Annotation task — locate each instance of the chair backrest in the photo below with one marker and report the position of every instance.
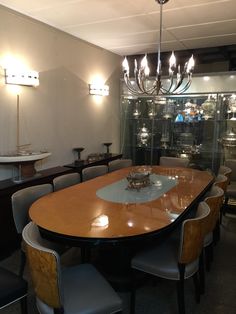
(66, 180)
(44, 265)
(214, 200)
(23, 199)
(222, 182)
(119, 164)
(192, 235)
(173, 161)
(226, 171)
(93, 172)
(231, 163)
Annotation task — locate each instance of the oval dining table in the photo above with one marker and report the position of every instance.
(104, 211)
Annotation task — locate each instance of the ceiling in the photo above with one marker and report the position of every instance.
(128, 27)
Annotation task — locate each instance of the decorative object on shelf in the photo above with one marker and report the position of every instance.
(168, 110)
(108, 148)
(95, 157)
(179, 118)
(209, 107)
(232, 106)
(143, 136)
(191, 111)
(139, 178)
(137, 111)
(140, 85)
(228, 139)
(98, 89)
(79, 161)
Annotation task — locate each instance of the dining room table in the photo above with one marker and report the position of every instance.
(105, 210)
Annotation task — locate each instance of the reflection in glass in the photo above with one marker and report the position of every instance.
(151, 109)
(137, 110)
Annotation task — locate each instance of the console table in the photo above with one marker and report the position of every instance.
(102, 161)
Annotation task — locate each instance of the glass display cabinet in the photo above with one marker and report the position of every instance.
(198, 126)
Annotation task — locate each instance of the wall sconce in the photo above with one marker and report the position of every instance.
(98, 89)
(26, 78)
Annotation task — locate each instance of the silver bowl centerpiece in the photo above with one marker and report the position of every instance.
(139, 178)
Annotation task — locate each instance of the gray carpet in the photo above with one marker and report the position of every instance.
(220, 296)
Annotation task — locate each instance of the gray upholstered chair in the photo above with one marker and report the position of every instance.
(214, 199)
(66, 180)
(93, 172)
(222, 182)
(226, 171)
(231, 188)
(21, 202)
(13, 289)
(77, 289)
(119, 164)
(173, 161)
(176, 259)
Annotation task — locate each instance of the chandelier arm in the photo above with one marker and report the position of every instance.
(179, 82)
(130, 87)
(187, 85)
(147, 91)
(171, 84)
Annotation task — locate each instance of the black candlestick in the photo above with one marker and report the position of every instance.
(107, 146)
(78, 150)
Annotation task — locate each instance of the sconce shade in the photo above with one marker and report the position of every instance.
(98, 89)
(26, 78)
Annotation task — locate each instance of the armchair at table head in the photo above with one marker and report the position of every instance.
(21, 202)
(173, 161)
(66, 180)
(77, 289)
(176, 258)
(93, 172)
(119, 164)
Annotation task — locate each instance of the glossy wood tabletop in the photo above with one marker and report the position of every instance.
(72, 211)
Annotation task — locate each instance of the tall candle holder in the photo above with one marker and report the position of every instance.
(108, 148)
(79, 161)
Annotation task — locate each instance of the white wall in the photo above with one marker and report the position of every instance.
(59, 114)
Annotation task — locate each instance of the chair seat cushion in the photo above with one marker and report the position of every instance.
(85, 292)
(12, 287)
(162, 261)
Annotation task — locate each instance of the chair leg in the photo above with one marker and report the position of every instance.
(202, 273)
(133, 292)
(180, 289)
(22, 263)
(216, 232)
(23, 305)
(209, 256)
(197, 287)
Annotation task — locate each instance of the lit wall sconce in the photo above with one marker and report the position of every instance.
(26, 78)
(98, 90)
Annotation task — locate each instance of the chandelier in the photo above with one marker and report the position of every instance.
(178, 82)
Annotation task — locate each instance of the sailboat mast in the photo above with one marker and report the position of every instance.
(17, 123)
